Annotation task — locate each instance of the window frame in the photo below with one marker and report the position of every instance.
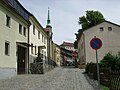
(20, 29)
(34, 29)
(101, 29)
(8, 21)
(35, 50)
(7, 50)
(24, 31)
(38, 34)
(42, 38)
(110, 29)
(31, 48)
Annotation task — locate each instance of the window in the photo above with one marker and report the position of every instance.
(20, 28)
(35, 50)
(57, 59)
(7, 48)
(24, 32)
(32, 48)
(33, 29)
(42, 38)
(45, 54)
(38, 34)
(101, 29)
(109, 28)
(45, 41)
(7, 21)
(42, 53)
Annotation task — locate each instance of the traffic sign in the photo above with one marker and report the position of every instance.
(96, 43)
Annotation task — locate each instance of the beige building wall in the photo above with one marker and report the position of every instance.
(110, 40)
(51, 49)
(57, 54)
(54, 54)
(11, 35)
(81, 50)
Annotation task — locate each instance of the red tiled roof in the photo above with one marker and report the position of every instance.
(67, 44)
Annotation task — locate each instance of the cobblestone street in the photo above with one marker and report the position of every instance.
(57, 79)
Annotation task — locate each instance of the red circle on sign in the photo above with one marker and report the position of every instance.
(96, 43)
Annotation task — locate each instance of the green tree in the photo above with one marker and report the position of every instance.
(92, 18)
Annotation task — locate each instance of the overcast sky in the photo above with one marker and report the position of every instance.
(64, 14)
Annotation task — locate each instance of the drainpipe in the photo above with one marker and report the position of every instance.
(28, 46)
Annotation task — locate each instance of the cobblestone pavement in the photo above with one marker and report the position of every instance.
(57, 79)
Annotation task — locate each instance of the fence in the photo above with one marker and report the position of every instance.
(41, 65)
(115, 80)
(110, 78)
(105, 76)
(36, 68)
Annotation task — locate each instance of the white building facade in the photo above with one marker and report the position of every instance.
(37, 40)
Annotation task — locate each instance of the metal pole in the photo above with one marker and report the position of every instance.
(98, 71)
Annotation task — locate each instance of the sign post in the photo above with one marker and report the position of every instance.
(96, 44)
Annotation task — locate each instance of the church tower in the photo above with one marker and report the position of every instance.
(48, 18)
(49, 32)
(48, 26)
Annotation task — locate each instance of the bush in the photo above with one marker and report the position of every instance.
(90, 67)
(38, 59)
(111, 61)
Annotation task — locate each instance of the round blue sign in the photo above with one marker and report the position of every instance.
(96, 43)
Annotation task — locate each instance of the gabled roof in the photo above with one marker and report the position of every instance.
(80, 31)
(103, 22)
(38, 23)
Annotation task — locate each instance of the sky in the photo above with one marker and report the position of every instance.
(64, 14)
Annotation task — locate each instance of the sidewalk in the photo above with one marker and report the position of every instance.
(92, 82)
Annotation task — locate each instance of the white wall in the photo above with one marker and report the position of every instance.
(35, 40)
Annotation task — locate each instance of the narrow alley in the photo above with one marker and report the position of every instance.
(58, 79)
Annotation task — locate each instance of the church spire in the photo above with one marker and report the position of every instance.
(48, 19)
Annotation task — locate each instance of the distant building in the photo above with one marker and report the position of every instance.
(68, 45)
(57, 54)
(108, 32)
(68, 52)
